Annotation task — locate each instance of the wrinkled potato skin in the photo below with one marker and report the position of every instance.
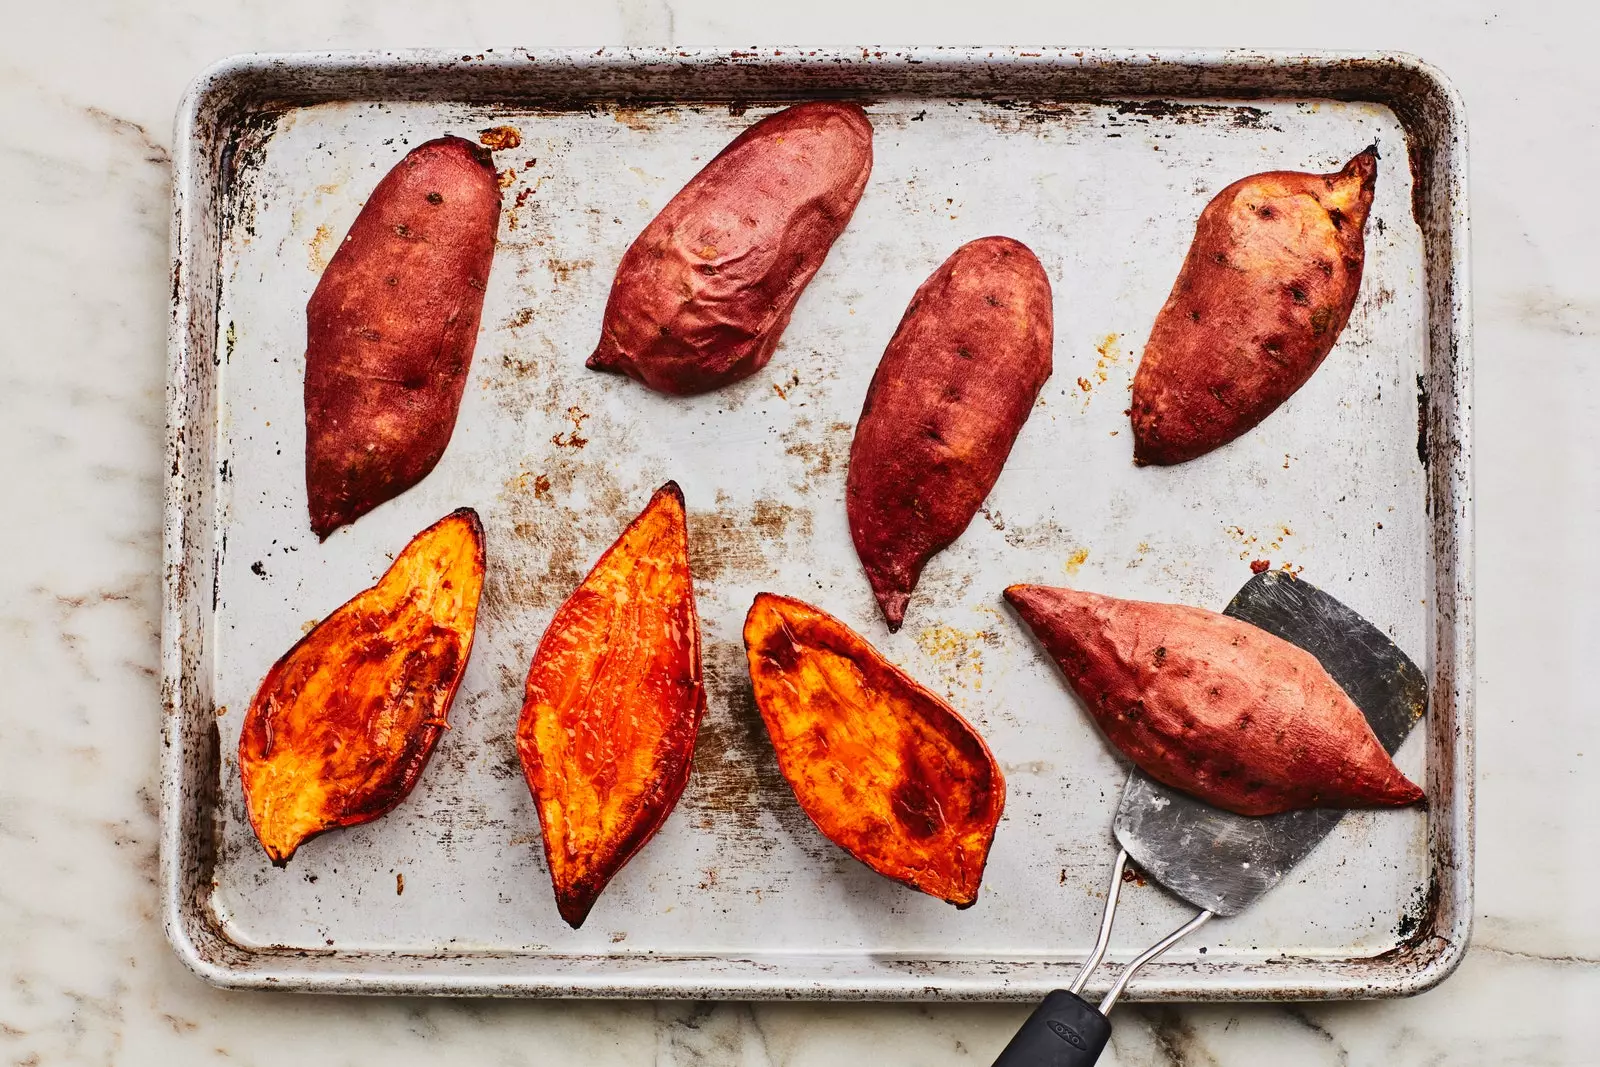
(704, 293)
(344, 723)
(1214, 706)
(1268, 286)
(885, 769)
(950, 395)
(391, 327)
(613, 702)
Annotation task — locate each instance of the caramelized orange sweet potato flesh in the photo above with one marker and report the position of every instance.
(951, 393)
(703, 295)
(391, 327)
(1213, 706)
(1268, 285)
(886, 770)
(612, 706)
(344, 723)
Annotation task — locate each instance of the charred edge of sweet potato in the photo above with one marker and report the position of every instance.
(258, 737)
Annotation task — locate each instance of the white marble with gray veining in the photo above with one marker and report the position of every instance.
(87, 92)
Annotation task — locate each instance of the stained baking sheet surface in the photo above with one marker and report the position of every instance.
(557, 459)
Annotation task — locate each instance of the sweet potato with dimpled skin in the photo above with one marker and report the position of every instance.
(1213, 706)
(886, 770)
(950, 395)
(391, 327)
(1268, 285)
(704, 293)
(344, 723)
(613, 702)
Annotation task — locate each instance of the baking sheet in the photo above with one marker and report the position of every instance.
(738, 894)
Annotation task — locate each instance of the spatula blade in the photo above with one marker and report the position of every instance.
(1223, 862)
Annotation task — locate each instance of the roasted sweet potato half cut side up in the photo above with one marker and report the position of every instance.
(705, 292)
(344, 723)
(391, 327)
(950, 395)
(1268, 285)
(1213, 706)
(613, 703)
(886, 770)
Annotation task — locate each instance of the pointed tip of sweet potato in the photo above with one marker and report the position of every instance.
(1364, 164)
(575, 907)
(471, 518)
(1033, 601)
(670, 490)
(893, 605)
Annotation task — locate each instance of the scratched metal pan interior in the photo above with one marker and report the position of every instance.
(1100, 162)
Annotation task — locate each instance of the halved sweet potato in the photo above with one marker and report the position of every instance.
(344, 723)
(950, 395)
(1213, 706)
(391, 327)
(703, 295)
(886, 770)
(1268, 285)
(613, 703)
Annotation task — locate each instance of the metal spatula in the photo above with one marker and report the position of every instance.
(1217, 861)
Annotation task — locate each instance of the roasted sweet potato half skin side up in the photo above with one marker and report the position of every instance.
(391, 327)
(344, 723)
(613, 703)
(1213, 706)
(1268, 285)
(951, 393)
(886, 770)
(705, 292)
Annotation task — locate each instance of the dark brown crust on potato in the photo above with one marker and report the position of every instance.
(703, 295)
(1269, 283)
(391, 327)
(954, 387)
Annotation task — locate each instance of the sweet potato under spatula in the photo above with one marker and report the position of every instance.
(344, 723)
(391, 327)
(1213, 706)
(1269, 283)
(884, 768)
(613, 702)
(950, 395)
(703, 295)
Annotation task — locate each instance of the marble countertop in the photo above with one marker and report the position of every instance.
(87, 93)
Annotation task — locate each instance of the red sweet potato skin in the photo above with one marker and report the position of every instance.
(1213, 706)
(1268, 285)
(951, 393)
(703, 295)
(391, 327)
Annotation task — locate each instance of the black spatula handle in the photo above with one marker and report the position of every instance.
(1064, 1031)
